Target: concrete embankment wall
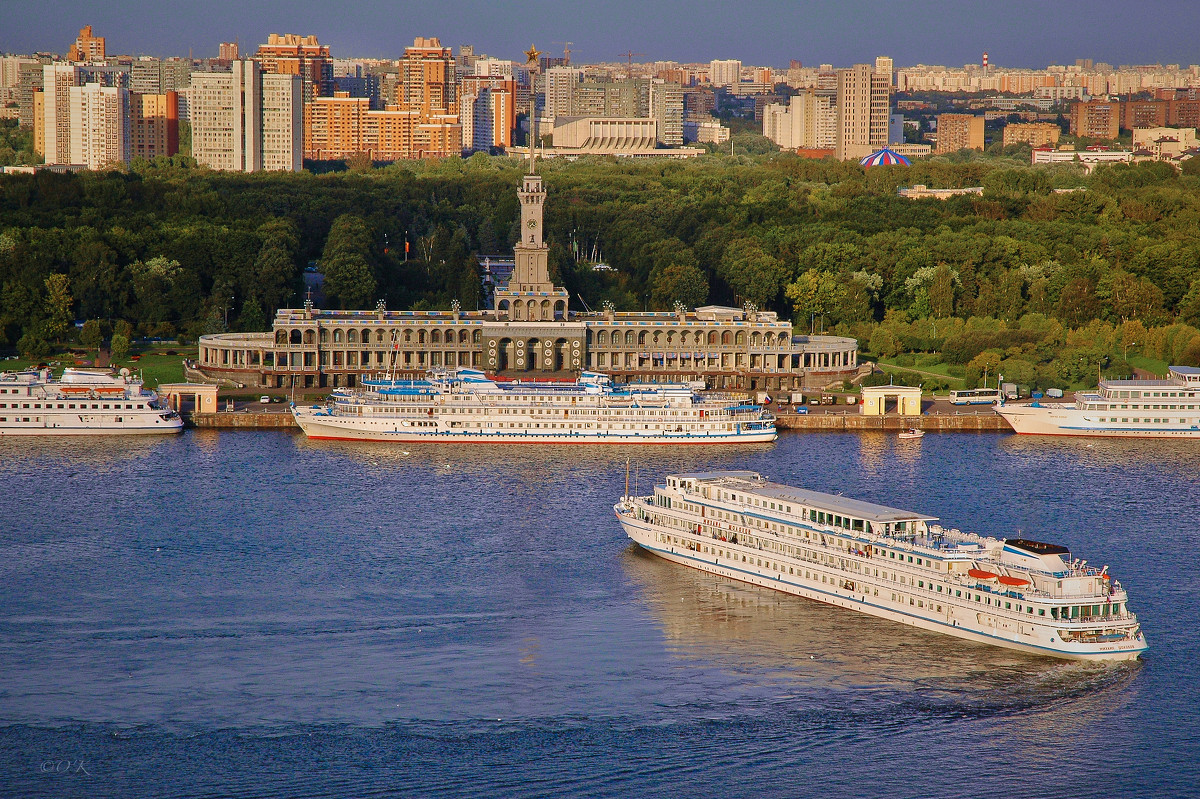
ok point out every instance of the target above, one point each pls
(946, 423)
(241, 420)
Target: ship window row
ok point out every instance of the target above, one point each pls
(1136, 407)
(1144, 420)
(1066, 612)
(1136, 394)
(76, 406)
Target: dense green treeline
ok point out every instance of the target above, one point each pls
(175, 250)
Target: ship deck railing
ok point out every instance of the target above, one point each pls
(960, 579)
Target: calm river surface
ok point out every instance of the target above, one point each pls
(254, 614)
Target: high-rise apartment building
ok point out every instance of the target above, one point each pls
(87, 47)
(334, 127)
(427, 78)
(246, 120)
(1096, 119)
(883, 65)
(157, 76)
(154, 124)
(1144, 114)
(561, 85)
(724, 73)
(10, 90)
(1035, 134)
(57, 82)
(807, 122)
(428, 87)
(98, 126)
(227, 51)
(863, 111)
(666, 106)
(487, 112)
(291, 54)
(959, 132)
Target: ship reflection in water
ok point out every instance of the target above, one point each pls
(812, 650)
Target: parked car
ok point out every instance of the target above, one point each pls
(264, 399)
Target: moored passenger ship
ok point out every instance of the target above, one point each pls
(468, 406)
(1138, 408)
(81, 402)
(891, 563)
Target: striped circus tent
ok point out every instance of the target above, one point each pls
(885, 157)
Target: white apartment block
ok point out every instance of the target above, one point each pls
(282, 128)
(705, 132)
(808, 121)
(863, 112)
(246, 121)
(57, 82)
(725, 73)
(99, 126)
(483, 113)
(561, 85)
(666, 106)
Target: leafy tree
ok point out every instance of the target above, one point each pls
(92, 334)
(752, 273)
(58, 307)
(1129, 297)
(275, 268)
(252, 319)
(153, 282)
(345, 262)
(1078, 304)
(33, 346)
(119, 346)
(683, 283)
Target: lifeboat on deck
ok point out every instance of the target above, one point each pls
(980, 574)
(1013, 582)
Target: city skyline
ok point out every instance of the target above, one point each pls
(1017, 35)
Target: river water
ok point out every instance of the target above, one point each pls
(254, 614)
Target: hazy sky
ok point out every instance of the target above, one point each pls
(1016, 33)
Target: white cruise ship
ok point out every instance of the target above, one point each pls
(1137, 408)
(886, 562)
(467, 406)
(82, 402)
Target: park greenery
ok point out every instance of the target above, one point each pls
(1049, 276)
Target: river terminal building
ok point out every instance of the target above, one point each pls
(530, 330)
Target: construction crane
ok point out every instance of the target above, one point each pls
(629, 56)
(566, 52)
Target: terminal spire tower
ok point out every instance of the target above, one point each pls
(529, 295)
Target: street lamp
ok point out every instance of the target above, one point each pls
(1128, 344)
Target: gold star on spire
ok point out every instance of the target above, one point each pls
(531, 55)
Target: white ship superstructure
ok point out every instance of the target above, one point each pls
(82, 402)
(1139, 408)
(467, 406)
(891, 563)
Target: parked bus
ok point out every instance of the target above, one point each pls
(975, 396)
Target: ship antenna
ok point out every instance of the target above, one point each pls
(627, 478)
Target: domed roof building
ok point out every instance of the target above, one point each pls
(885, 157)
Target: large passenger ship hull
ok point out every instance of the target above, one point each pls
(93, 425)
(1033, 639)
(318, 426)
(1067, 420)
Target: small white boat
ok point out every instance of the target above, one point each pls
(911, 432)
